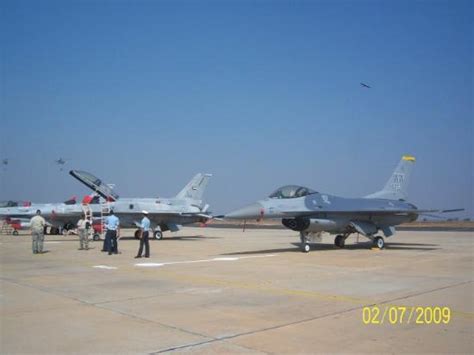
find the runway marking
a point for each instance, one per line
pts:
(310, 293)
(52, 242)
(105, 267)
(149, 264)
(203, 260)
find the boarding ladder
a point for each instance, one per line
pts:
(86, 209)
(88, 216)
(104, 213)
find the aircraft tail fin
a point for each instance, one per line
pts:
(397, 186)
(195, 188)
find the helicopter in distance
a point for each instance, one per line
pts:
(61, 162)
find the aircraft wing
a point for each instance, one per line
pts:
(365, 212)
(165, 214)
(164, 218)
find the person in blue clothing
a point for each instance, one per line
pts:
(112, 223)
(144, 236)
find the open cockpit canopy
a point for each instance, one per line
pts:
(95, 184)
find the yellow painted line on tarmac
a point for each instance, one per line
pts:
(288, 292)
(260, 287)
(263, 287)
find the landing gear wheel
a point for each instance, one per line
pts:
(379, 242)
(96, 237)
(305, 248)
(137, 234)
(15, 232)
(339, 241)
(158, 235)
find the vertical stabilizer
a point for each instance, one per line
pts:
(397, 186)
(195, 188)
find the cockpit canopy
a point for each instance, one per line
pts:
(291, 191)
(95, 184)
(93, 180)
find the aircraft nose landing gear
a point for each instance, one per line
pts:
(305, 247)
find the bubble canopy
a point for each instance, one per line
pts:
(95, 184)
(291, 191)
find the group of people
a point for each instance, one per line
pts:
(84, 225)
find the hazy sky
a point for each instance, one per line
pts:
(145, 94)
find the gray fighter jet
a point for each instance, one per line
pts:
(59, 216)
(311, 213)
(164, 213)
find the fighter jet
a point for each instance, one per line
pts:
(164, 213)
(365, 86)
(311, 213)
(60, 217)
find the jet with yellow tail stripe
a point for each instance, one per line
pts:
(311, 212)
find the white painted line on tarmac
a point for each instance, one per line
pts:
(257, 256)
(149, 264)
(204, 260)
(225, 259)
(105, 267)
(52, 242)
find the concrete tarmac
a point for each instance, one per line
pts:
(210, 290)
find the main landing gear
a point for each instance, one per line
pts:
(158, 235)
(340, 241)
(379, 242)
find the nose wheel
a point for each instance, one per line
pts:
(305, 247)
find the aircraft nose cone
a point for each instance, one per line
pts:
(252, 211)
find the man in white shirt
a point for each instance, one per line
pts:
(144, 234)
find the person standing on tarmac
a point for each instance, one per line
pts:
(83, 231)
(112, 223)
(144, 236)
(37, 225)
